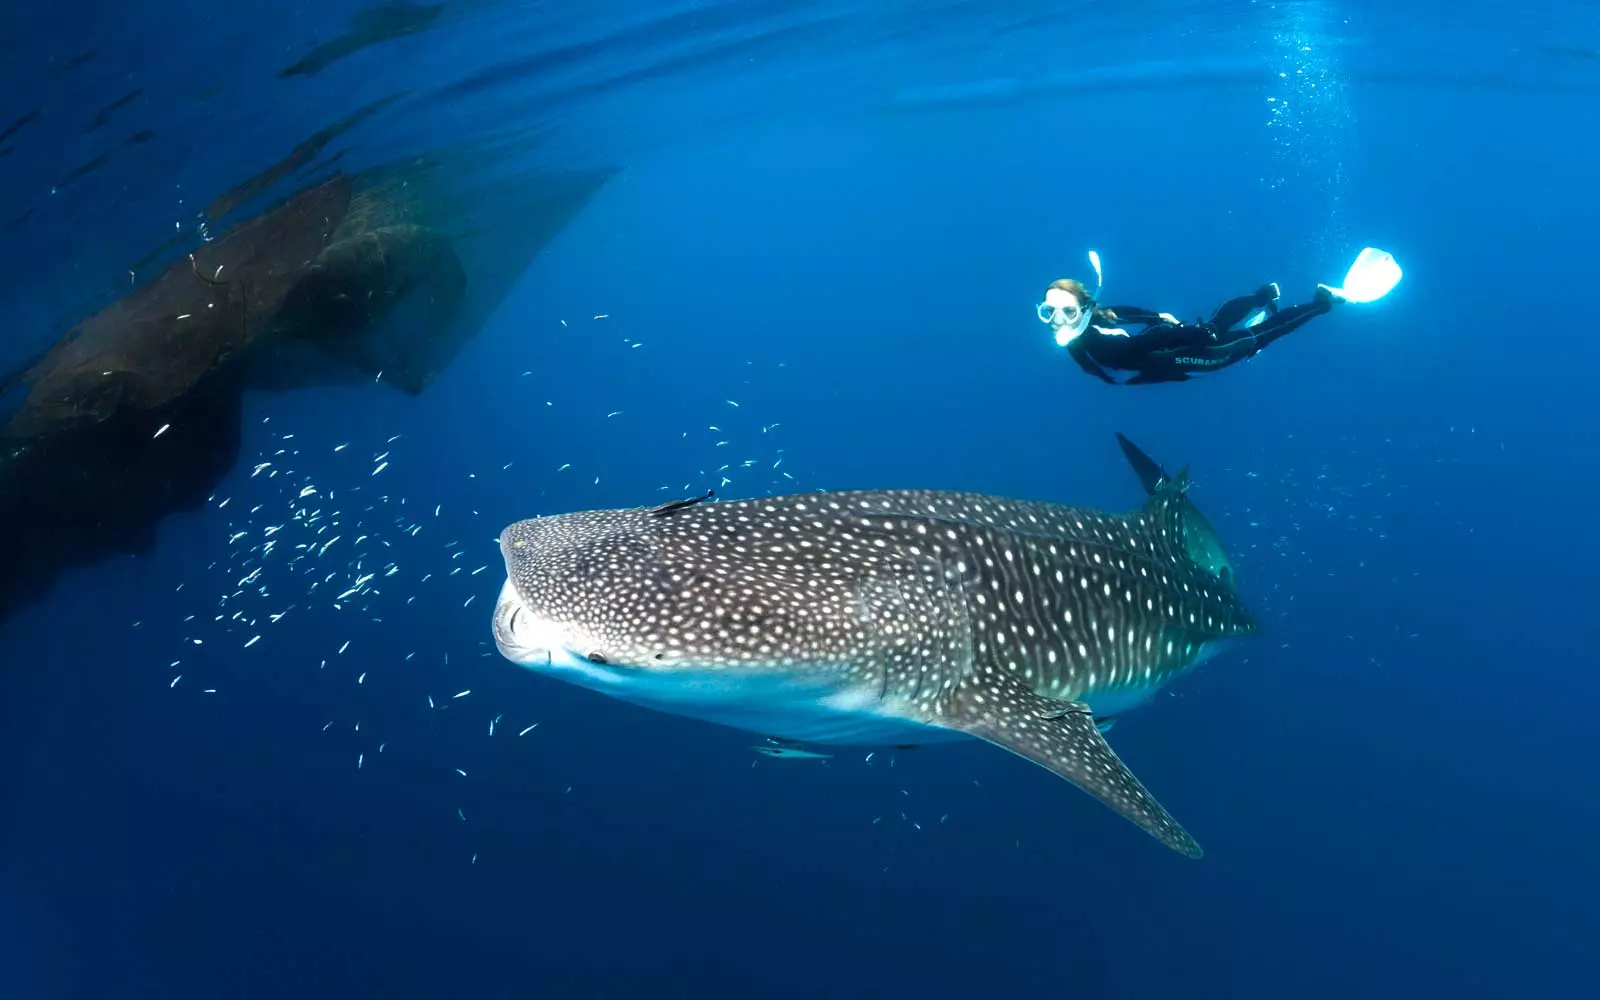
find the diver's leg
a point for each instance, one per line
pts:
(1288, 320)
(1203, 349)
(1234, 311)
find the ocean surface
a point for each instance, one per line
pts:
(268, 748)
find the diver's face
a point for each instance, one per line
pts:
(1060, 308)
(1063, 312)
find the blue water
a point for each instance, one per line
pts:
(838, 217)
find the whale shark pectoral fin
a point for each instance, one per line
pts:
(1062, 737)
(789, 752)
(787, 749)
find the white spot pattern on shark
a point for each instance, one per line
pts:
(847, 616)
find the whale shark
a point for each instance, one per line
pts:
(886, 617)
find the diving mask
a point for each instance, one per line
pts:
(1060, 310)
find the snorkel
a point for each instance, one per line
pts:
(1064, 313)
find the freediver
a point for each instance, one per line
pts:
(1164, 349)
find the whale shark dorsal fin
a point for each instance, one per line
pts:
(1146, 468)
(1169, 499)
(1062, 737)
(1151, 475)
(1178, 484)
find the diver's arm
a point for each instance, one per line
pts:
(1139, 314)
(1088, 364)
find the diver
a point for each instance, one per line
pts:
(1164, 349)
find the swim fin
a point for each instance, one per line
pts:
(1269, 294)
(1257, 317)
(1373, 275)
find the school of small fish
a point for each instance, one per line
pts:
(315, 553)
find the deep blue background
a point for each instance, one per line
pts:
(1393, 783)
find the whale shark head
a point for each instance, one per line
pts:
(750, 613)
(667, 589)
(576, 591)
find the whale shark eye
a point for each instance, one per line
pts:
(597, 658)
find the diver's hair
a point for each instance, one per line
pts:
(1075, 288)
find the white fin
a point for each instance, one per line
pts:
(1373, 275)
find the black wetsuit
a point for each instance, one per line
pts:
(1164, 351)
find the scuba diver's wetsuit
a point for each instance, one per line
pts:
(1167, 351)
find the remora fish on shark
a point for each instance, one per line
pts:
(885, 617)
